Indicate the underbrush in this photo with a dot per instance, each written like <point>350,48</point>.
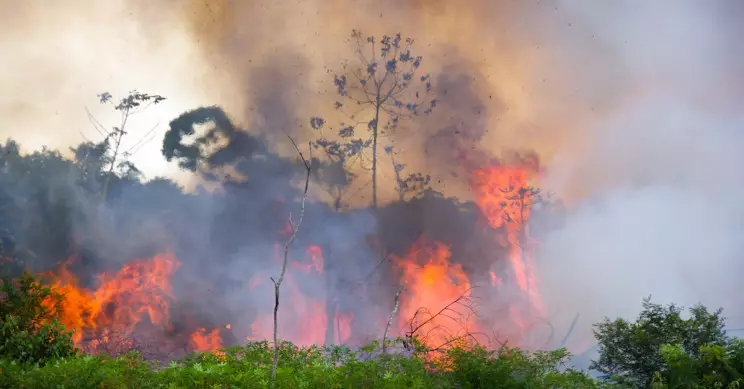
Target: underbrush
<point>36,352</point>
<point>249,366</point>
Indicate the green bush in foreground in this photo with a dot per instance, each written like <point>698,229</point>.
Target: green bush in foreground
<point>30,331</point>
<point>330,367</point>
<point>664,349</point>
<point>660,350</point>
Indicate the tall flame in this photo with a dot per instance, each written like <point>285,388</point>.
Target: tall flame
<point>505,198</point>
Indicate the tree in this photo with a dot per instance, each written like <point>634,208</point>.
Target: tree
<point>30,331</point>
<point>278,281</point>
<point>332,175</point>
<point>385,87</point>
<point>133,103</point>
<point>716,366</point>
<point>412,183</point>
<point>631,352</point>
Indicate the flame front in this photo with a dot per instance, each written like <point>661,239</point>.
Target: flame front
<point>436,306</point>
<point>140,289</point>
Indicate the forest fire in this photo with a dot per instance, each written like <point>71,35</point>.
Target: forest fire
<point>436,304</point>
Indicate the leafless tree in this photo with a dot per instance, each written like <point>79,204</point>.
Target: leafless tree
<point>278,281</point>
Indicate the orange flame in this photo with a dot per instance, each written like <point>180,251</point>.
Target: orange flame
<point>203,341</point>
<point>142,288</point>
<point>436,305</point>
<point>504,196</point>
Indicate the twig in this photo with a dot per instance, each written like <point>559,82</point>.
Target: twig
<point>464,296</point>
<point>392,316</point>
<point>278,282</point>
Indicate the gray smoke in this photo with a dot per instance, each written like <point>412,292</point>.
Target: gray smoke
<point>661,175</point>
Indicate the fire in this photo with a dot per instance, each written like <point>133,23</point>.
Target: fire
<point>505,198</point>
<point>303,319</point>
<point>203,341</point>
<point>120,302</point>
<point>436,305</point>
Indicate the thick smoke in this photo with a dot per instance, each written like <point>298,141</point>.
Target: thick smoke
<point>634,110</point>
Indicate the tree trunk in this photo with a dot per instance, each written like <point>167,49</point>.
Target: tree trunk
<point>104,194</point>
<point>374,152</point>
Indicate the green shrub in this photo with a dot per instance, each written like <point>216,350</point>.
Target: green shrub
<point>310,368</point>
<point>37,352</point>
<point>30,331</point>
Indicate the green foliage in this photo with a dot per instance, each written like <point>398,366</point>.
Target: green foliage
<point>29,332</point>
<point>314,367</point>
<point>28,300</point>
<point>514,368</point>
<point>660,350</point>
<point>662,346</point>
<point>45,342</point>
<point>717,366</point>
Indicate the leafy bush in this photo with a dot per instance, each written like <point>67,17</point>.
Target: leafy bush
<point>660,350</point>
<point>30,331</point>
<point>314,367</point>
<point>513,368</point>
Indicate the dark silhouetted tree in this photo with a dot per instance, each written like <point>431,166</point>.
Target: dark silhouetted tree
<point>380,88</point>
<point>413,183</point>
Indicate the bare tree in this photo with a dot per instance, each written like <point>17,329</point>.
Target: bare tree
<point>133,103</point>
<point>383,86</point>
<point>278,281</point>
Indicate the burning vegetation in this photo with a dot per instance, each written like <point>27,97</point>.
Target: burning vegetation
<point>387,198</point>
<point>439,297</point>
<point>198,272</point>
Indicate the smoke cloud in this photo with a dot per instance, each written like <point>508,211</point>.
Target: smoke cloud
<point>634,110</point>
